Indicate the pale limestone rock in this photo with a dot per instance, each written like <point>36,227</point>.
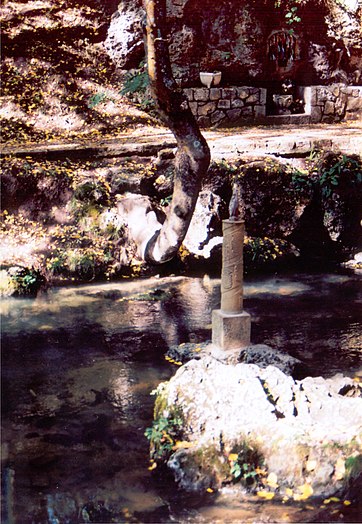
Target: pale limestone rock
<point>199,239</point>
<point>289,423</point>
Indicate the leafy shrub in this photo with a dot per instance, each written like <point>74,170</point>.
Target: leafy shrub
<point>343,173</point>
<point>246,465</point>
<point>163,434</point>
<point>136,87</point>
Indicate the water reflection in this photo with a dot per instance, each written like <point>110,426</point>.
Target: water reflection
<point>78,365</point>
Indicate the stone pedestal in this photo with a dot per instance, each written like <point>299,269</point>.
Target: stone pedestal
<point>231,325</point>
<point>230,330</point>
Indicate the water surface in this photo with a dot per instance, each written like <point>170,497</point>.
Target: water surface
<point>78,366</point>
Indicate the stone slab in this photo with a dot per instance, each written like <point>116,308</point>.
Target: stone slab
<point>230,331</point>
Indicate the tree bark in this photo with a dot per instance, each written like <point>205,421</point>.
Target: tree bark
<point>193,154</point>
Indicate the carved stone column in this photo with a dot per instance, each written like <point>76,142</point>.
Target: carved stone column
<point>231,325</point>
<point>232,266</point>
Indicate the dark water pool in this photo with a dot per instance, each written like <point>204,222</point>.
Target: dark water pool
<point>78,366</point>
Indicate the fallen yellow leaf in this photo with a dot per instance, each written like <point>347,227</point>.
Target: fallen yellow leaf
<point>182,444</point>
<point>210,490</point>
<point>153,466</point>
<point>267,495</point>
<point>260,471</point>
<point>233,457</point>
<point>306,491</point>
<point>272,480</point>
<point>347,502</point>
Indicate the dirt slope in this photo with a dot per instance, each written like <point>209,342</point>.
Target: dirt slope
<point>57,79</point>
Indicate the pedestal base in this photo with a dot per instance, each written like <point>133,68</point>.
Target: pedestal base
<point>230,330</point>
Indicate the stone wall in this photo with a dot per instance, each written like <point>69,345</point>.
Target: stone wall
<point>335,103</point>
<point>227,106</point>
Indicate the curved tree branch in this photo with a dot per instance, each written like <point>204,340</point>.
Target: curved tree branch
<point>193,154</point>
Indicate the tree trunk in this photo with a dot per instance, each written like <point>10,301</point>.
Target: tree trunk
<point>193,154</point>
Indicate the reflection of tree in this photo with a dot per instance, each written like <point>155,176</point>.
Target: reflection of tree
<point>188,313</point>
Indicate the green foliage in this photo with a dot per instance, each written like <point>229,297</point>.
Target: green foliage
<point>246,464</point>
<point>166,201</point>
<point>26,281</point>
<point>301,182</point>
<point>96,99</point>
<point>331,176</point>
<point>135,83</point>
<point>56,264</point>
<point>353,465</point>
<point>243,471</point>
<point>292,16</point>
<point>163,434</point>
<point>90,197</point>
<point>115,231</point>
<point>136,86</point>
<point>259,252</point>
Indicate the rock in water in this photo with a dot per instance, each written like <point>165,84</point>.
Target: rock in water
<point>305,433</point>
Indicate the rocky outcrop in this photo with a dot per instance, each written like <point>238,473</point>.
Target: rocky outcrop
<point>124,42</point>
<point>234,37</point>
<point>265,356</point>
<point>290,438</point>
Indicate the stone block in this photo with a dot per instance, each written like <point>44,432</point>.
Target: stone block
<point>323,143</point>
<point>201,94</point>
<point>354,104</point>
<point>329,108</point>
<point>253,98</point>
<point>230,331</point>
<point>247,111</point>
<point>316,114</point>
<point>263,96</point>
<point>189,93</point>
<point>237,103</point>
<point>300,120</point>
<point>324,94</point>
<point>336,91</point>
<point>328,119</point>
<point>193,107</point>
<point>313,95</point>
<point>215,93</point>
<point>206,109</point>
<point>204,121</point>
<point>217,117</point>
<point>259,111</point>
<point>340,105</point>
<point>242,93</point>
<point>228,93</point>
<point>278,120</point>
<point>233,114</point>
<point>223,104</point>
